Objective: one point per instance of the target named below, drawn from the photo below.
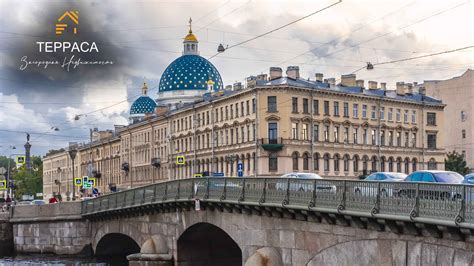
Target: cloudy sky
(143, 37)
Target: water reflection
(41, 259)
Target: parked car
(371, 189)
(469, 179)
(431, 192)
(37, 202)
(305, 185)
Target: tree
(455, 162)
(29, 182)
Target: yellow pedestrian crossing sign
(20, 159)
(78, 181)
(180, 160)
(3, 184)
(197, 175)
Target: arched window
(305, 161)
(346, 163)
(399, 164)
(365, 160)
(192, 46)
(382, 164)
(273, 162)
(336, 162)
(248, 162)
(390, 164)
(407, 166)
(356, 163)
(374, 163)
(254, 159)
(432, 164)
(326, 162)
(294, 156)
(414, 165)
(316, 158)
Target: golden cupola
(190, 42)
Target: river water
(37, 260)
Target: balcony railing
(272, 144)
(440, 204)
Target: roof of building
(190, 72)
(389, 94)
(141, 106)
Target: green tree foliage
(29, 182)
(455, 162)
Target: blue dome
(189, 72)
(143, 105)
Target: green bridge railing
(440, 204)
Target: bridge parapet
(332, 200)
(48, 212)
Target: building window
(248, 107)
(390, 114)
(346, 135)
(463, 133)
(305, 106)
(346, 163)
(254, 106)
(294, 130)
(336, 133)
(407, 166)
(413, 140)
(398, 115)
(432, 141)
(316, 161)
(242, 109)
(248, 132)
(355, 110)
(272, 104)
(382, 113)
(222, 114)
(336, 163)
(374, 139)
(295, 161)
(315, 132)
(294, 102)
(356, 135)
(431, 119)
(231, 111)
(382, 138)
(236, 110)
(390, 138)
(326, 107)
(356, 164)
(399, 165)
(373, 114)
(405, 116)
(432, 165)
(414, 165)
(316, 107)
(346, 109)
(326, 162)
(413, 117)
(305, 162)
(364, 111)
(272, 132)
(364, 136)
(231, 136)
(336, 108)
(273, 162)
(304, 132)
(463, 116)
(390, 164)
(365, 160)
(399, 139)
(374, 164)
(326, 133)
(382, 164)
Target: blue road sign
(217, 174)
(240, 173)
(95, 191)
(240, 166)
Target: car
(434, 176)
(304, 185)
(24, 202)
(37, 202)
(469, 179)
(367, 189)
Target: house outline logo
(73, 15)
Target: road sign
(180, 160)
(2, 170)
(197, 175)
(95, 191)
(240, 166)
(3, 184)
(78, 181)
(240, 173)
(92, 182)
(217, 174)
(21, 159)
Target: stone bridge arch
(126, 228)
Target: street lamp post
(72, 154)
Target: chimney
(331, 81)
(409, 88)
(275, 73)
(401, 88)
(262, 77)
(373, 85)
(383, 85)
(422, 90)
(319, 77)
(348, 80)
(237, 86)
(415, 84)
(360, 83)
(293, 72)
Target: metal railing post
(414, 212)
(376, 207)
(264, 192)
(312, 202)
(286, 200)
(206, 196)
(462, 210)
(224, 192)
(242, 192)
(342, 204)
